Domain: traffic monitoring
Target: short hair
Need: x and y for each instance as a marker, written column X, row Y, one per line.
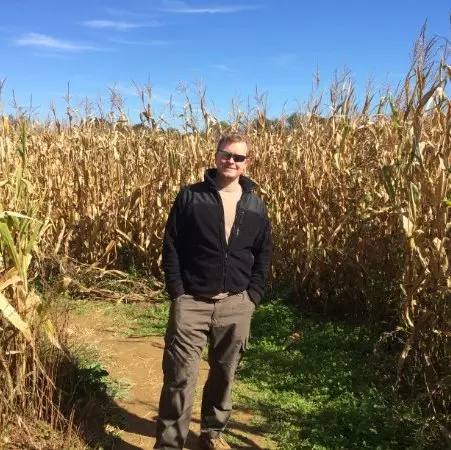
column 232, row 139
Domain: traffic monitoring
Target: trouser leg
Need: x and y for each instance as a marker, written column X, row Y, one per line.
column 228, row 340
column 186, row 336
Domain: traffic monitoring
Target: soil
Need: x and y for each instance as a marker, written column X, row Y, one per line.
column 137, row 363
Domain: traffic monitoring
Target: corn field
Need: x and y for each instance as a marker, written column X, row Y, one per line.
column 359, row 202
column 28, row 339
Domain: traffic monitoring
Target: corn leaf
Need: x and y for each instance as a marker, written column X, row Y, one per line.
column 14, row 318
column 5, row 234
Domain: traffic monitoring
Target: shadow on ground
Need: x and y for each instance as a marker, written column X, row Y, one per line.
column 92, row 429
column 100, row 420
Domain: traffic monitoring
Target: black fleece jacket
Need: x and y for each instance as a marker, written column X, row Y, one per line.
column 196, row 257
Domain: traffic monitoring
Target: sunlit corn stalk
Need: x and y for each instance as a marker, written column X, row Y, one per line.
column 22, row 372
column 419, row 187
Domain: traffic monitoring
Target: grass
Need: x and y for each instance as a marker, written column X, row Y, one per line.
column 324, row 391
column 132, row 319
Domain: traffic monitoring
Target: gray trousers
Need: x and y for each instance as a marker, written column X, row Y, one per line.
column 192, row 321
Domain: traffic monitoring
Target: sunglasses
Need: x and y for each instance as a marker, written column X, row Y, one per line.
column 228, row 156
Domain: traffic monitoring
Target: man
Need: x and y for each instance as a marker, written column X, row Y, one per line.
column 216, row 257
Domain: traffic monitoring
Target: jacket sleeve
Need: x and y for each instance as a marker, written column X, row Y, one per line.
column 171, row 261
column 262, row 259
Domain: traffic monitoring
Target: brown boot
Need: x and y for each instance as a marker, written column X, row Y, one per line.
column 208, row 443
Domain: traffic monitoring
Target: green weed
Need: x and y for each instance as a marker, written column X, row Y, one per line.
column 325, row 390
column 148, row 320
column 322, row 391
column 132, row 319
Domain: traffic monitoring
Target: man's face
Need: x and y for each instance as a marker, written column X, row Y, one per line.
column 227, row 167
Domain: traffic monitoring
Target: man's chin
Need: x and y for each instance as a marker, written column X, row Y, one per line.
column 230, row 175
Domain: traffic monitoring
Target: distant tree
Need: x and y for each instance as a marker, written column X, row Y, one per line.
column 140, row 126
column 274, row 124
column 224, row 124
column 172, row 130
column 261, row 122
column 220, row 128
column 294, row 120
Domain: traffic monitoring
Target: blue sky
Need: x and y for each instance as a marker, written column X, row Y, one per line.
column 231, row 47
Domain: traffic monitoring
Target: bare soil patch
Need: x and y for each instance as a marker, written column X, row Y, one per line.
column 136, row 363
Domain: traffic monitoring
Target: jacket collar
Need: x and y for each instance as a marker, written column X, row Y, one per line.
column 246, row 183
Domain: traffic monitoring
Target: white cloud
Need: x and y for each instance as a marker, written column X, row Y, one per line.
column 151, row 43
column 183, row 8
column 222, row 68
column 119, row 26
column 44, row 41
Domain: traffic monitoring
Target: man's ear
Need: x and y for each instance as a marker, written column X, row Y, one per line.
column 248, row 162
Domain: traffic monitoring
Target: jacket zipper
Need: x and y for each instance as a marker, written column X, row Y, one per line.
column 234, row 232
column 239, row 220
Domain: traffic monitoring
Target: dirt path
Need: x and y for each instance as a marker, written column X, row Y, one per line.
column 137, row 362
